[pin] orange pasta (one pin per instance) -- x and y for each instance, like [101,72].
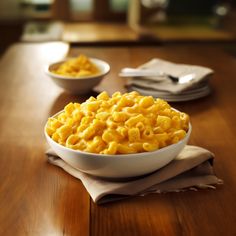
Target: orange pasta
[120,124]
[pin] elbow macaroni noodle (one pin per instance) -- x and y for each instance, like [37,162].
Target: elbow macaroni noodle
[77,67]
[120,124]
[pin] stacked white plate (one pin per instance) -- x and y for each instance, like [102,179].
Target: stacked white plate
[187,95]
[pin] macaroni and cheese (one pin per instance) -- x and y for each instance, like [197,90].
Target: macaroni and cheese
[120,124]
[77,67]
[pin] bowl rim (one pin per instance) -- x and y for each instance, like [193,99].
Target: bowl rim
[106,66]
[131,155]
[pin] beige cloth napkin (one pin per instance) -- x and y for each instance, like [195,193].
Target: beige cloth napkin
[162,83]
[192,168]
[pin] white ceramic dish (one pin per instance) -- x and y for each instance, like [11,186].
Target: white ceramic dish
[118,166]
[78,85]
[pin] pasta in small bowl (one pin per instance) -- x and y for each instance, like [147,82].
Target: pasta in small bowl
[125,135]
[78,75]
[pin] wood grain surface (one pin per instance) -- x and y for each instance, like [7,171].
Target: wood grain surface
[39,199]
[98,32]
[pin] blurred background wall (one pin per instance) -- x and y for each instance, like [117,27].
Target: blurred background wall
[21,19]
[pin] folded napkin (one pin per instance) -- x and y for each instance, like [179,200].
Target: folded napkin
[191,169]
[163,83]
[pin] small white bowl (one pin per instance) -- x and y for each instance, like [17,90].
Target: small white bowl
[78,85]
[118,166]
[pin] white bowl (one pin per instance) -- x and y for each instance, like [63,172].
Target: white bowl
[78,85]
[118,166]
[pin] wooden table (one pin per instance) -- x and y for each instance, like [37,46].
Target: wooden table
[189,33]
[37,198]
[88,34]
